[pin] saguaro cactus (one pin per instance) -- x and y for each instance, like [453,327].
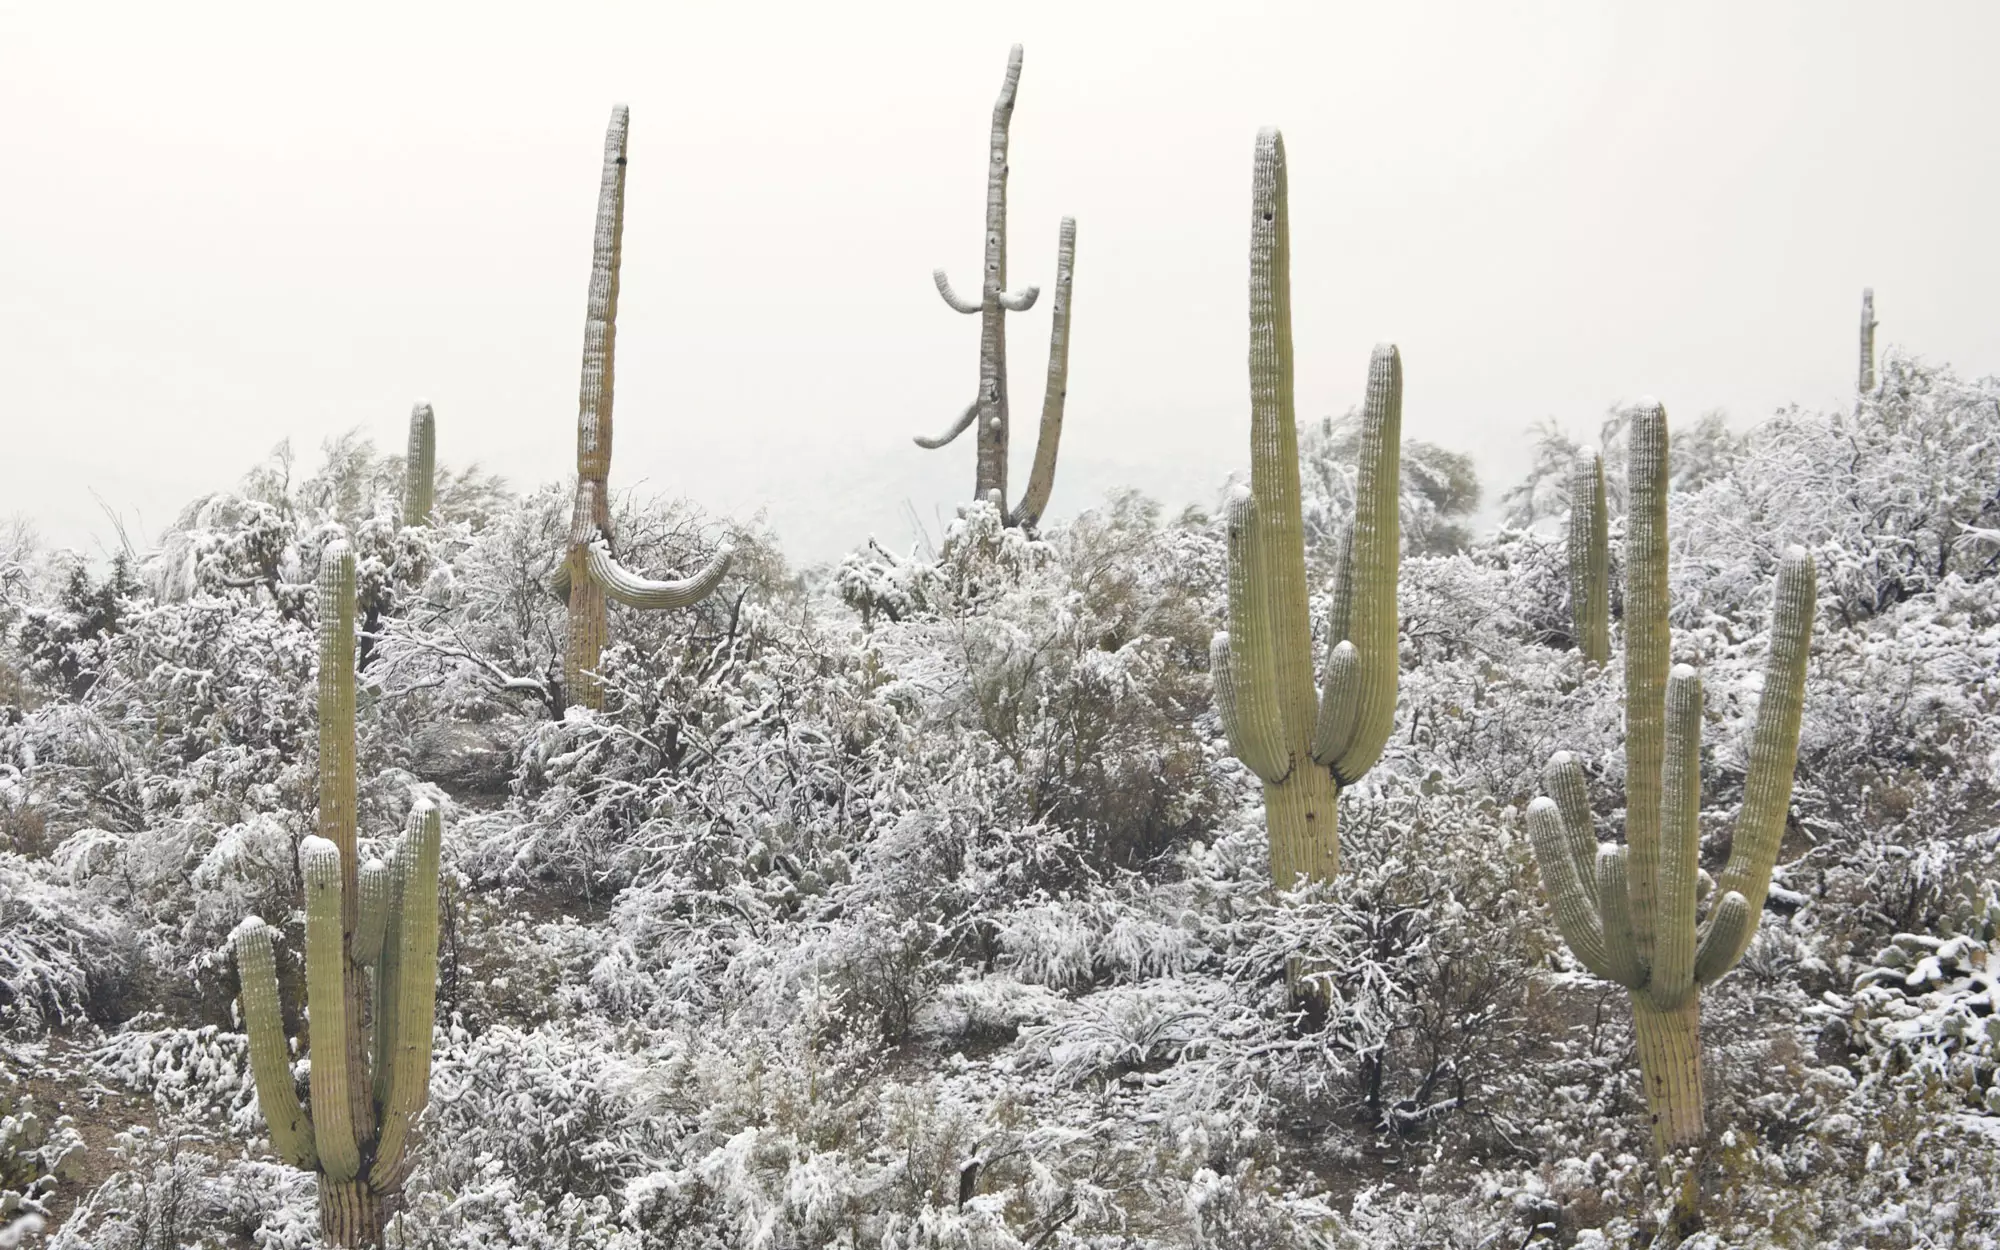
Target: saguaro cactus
[989,408]
[592,573]
[371,968]
[1305,746]
[1589,559]
[1629,912]
[1868,324]
[420,466]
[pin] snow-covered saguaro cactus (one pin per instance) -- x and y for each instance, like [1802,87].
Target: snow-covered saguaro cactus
[1589,559]
[1305,741]
[1868,324]
[592,573]
[420,466]
[1629,913]
[989,408]
[371,973]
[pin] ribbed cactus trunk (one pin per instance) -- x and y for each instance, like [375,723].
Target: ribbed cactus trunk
[1590,560]
[1305,740]
[989,409]
[371,972]
[1630,913]
[1868,323]
[590,572]
[420,467]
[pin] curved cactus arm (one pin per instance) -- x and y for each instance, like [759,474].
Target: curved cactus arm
[1569,899]
[634,591]
[958,427]
[1723,938]
[416,1014]
[1646,663]
[951,297]
[420,466]
[1021,300]
[1377,554]
[1248,692]
[559,582]
[270,1058]
[1680,843]
[1042,477]
[375,889]
[1564,780]
[1774,742]
[1339,701]
[1614,911]
[1590,559]
[326,998]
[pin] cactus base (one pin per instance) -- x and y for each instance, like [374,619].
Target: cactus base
[1670,1067]
[352,1214]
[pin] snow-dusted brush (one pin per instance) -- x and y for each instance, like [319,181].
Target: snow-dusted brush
[592,572]
[1629,913]
[1305,742]
[989,408]
[371,972]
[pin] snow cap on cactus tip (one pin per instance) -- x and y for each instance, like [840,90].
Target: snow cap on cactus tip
[1560,759]
[1795,552]
[248,926]
[1542,803]
[318,855]
[1684,672]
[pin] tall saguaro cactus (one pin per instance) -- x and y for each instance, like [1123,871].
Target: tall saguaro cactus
[1629,913]
[371,972]
[1589,559]
[1868,324]
[420,466]
[989,408]
[591,573]
[1303,741]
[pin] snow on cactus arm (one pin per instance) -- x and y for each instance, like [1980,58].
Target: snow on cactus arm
[628,588]
[270,1057]
[416,1012]
[326,996]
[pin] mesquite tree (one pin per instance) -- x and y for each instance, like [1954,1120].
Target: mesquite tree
[591,574]
[989,408]
[1629,913]
[1304,746]
[371,972]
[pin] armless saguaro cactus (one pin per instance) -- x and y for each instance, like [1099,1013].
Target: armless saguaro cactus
[420,466]
[371,968]
[1630,912]
[1868,324]
[592,573]
[1589,559]
[989,409]
[1303,745]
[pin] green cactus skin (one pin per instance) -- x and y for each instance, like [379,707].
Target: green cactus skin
[1868,324]
[1304,742]
[270,1059]
[990,408]
[587,578]
[1632,918]
[420,466]
[1590,560]
[379,924]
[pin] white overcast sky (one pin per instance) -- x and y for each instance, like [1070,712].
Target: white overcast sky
[225,226]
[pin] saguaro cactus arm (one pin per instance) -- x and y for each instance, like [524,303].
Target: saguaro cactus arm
[1055,395]
[416,1015]
[634,591]
[1243,658]
[1021,300]
[1680,843]
[952,298]
[957,428]
[420,466]
[326,993]
[270,1058]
